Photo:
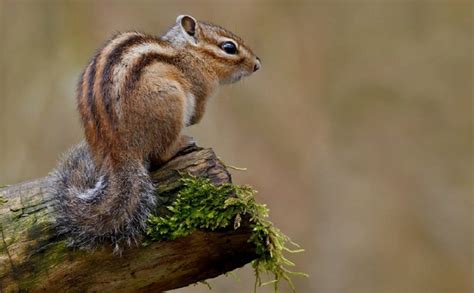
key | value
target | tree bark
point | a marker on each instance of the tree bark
(34, 258)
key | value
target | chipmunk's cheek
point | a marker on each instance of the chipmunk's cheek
(230, 77)
(235, 77)
(248, 70)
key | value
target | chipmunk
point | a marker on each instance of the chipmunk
(134, 98)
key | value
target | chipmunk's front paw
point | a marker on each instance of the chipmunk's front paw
(187, 145)
(187, 141)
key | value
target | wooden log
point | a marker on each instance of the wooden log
(34, 258)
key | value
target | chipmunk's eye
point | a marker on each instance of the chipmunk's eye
(229, 48)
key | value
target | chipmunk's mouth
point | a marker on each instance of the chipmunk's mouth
(243, 74)
(237, 76)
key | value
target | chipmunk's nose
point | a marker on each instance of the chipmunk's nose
(257, 65)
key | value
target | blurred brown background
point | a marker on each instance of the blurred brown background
(357, 131)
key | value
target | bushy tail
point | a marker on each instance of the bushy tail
(96, 205)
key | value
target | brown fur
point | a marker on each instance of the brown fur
(134, 98)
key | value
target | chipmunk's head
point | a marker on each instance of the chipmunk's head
(229, 57)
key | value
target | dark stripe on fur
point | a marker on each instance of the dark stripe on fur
(90, 93)
(80, 92)
(199, 87)
(223, 59)
(113, 59)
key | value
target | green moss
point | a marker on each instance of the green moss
(36, 268)
(202, 205)
(2, 200)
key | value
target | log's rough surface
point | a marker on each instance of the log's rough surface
(34, 258)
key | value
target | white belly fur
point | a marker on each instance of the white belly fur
(189, 108)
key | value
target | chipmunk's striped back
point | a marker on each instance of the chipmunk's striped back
(134, 98)
(103, 84)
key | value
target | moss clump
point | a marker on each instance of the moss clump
(2, 200)
(202, 205)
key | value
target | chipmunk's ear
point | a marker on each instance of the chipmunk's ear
(188, 25)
